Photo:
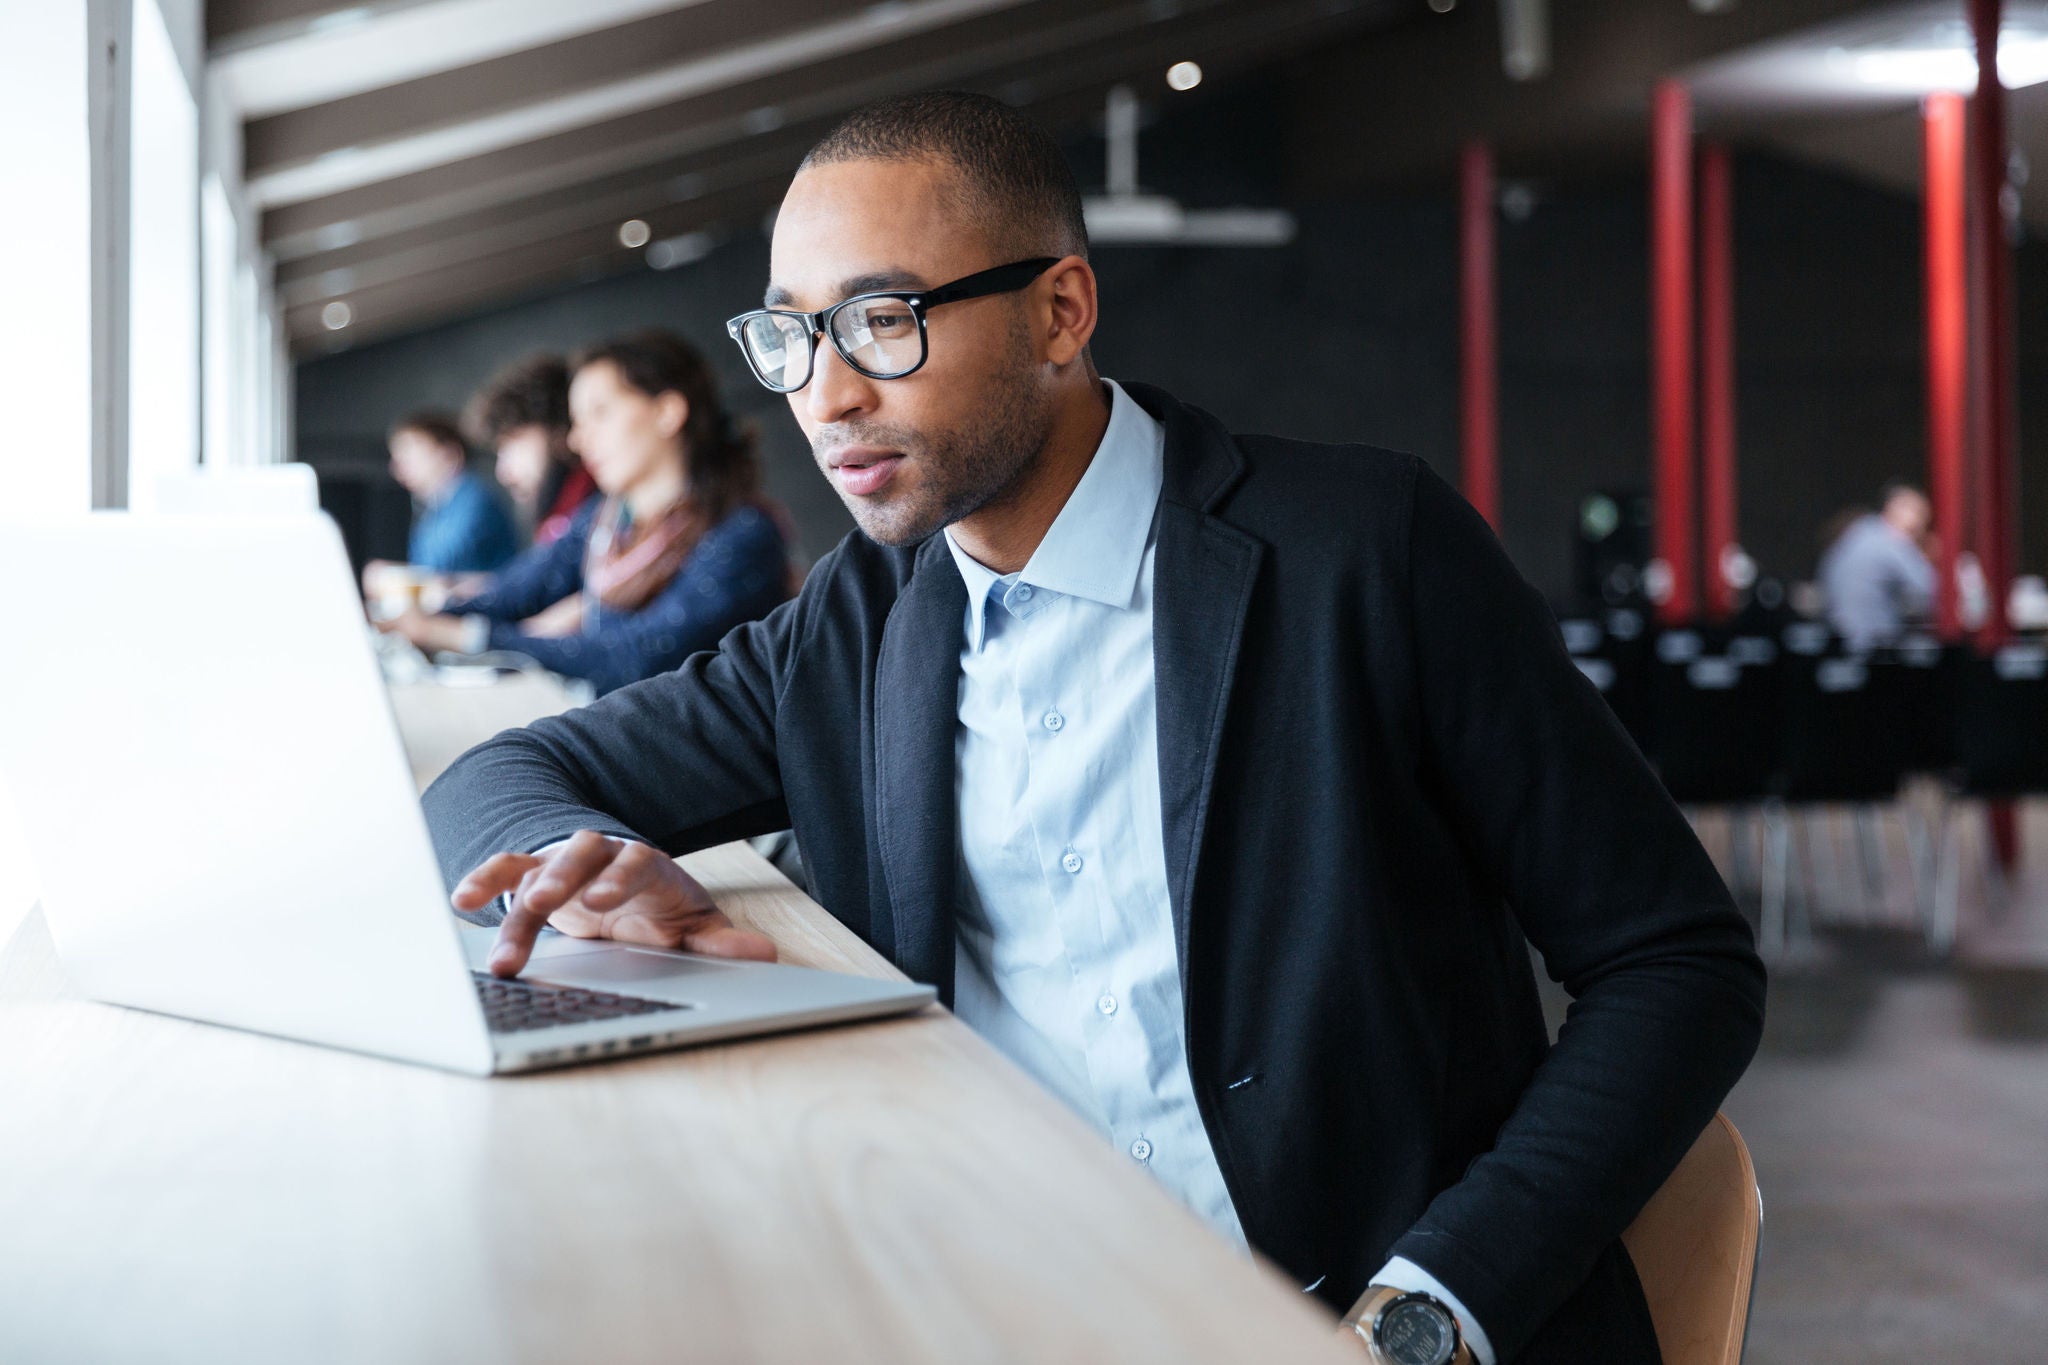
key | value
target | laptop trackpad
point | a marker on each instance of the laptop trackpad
(620, 966)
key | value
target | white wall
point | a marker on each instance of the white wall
(46, 239)
(163, 263)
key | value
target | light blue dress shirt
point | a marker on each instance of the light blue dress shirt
(1064, 957)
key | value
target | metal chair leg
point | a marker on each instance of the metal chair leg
(1777, 857)
(1741, 872)
(1948, 877)
(1871, 854)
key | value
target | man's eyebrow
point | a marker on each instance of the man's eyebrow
(780, 297)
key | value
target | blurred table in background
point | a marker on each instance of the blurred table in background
(448, 711)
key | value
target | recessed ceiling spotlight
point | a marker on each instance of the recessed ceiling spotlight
(634, 233)
(1184, 75)
(1443, 6)
(336, 316)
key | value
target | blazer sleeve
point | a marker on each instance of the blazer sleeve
(682, 761)
(1608, 882)
(536, 580)
(736, 571)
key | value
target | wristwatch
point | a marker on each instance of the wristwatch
(1408, 1327)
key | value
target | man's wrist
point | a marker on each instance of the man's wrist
(1364, 1322)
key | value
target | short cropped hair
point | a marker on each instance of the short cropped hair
(1015, 185)
(437, 426)
(532, 392)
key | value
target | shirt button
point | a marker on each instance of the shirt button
(1054, 720)
(1071, 862)
(1141, 1150)
(1023, 593)
(1106, 1003)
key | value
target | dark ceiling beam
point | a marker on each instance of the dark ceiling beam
(482, 278)
(461, 286)
(684, 139)
(571, 232)
(586, 61)
(608, 201)
(715, 118)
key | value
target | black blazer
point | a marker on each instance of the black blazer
(1380, 773)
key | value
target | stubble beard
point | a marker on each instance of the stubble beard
(960, 471)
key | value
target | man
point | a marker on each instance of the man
(1215, 779)
(523, 415)
(457, 526)
(1876, 576)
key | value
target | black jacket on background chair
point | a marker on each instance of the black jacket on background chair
(1380, 771)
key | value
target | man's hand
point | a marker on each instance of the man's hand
(597, 887)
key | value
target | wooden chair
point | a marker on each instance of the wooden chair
(1695, 1248)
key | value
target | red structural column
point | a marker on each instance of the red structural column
(1717, 375)
(1996, 419)
(1948, 359)
(1479, 366)
(1671, 362)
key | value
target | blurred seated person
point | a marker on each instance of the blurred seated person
(1877, 575)
(678, 550)
(523, 415)
(457, 526)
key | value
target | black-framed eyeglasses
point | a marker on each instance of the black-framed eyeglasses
(881, 335)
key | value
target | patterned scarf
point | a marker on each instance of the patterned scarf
(628, 563)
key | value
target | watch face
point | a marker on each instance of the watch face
(1415, 1332)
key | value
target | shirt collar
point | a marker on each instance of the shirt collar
(1095, 547)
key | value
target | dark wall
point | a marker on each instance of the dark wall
(1351, 335)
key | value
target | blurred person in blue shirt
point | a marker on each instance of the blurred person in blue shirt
(1878, 574)
(679, 548)
(458, 526)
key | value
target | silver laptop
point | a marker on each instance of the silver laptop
(195, 729)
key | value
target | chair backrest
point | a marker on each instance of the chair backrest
(1694, 1246)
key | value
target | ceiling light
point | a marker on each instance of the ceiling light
(336, 316)
(2022, 60)
(1184, 75)
(670, 252)
(1443, 6)
(634, 233)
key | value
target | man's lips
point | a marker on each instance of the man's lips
(863, 470)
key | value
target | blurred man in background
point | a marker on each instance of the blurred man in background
(457, 527)
(523, 415)
(1877, 574)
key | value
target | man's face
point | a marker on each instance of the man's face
(524, 454)
(911, 455)
(422, 463)
(1910, 512)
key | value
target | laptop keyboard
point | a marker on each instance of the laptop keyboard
(517, 1006)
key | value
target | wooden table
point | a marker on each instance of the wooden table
(893, 1191)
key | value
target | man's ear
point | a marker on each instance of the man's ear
(1070, 320)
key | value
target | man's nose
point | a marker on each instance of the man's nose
(837, 391)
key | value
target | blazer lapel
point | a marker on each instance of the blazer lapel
(917, 700)
(1203, 574)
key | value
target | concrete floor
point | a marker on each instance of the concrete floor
(1898, 1118)
(1897, 1114)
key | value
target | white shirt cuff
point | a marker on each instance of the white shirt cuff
(1402, 1273)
